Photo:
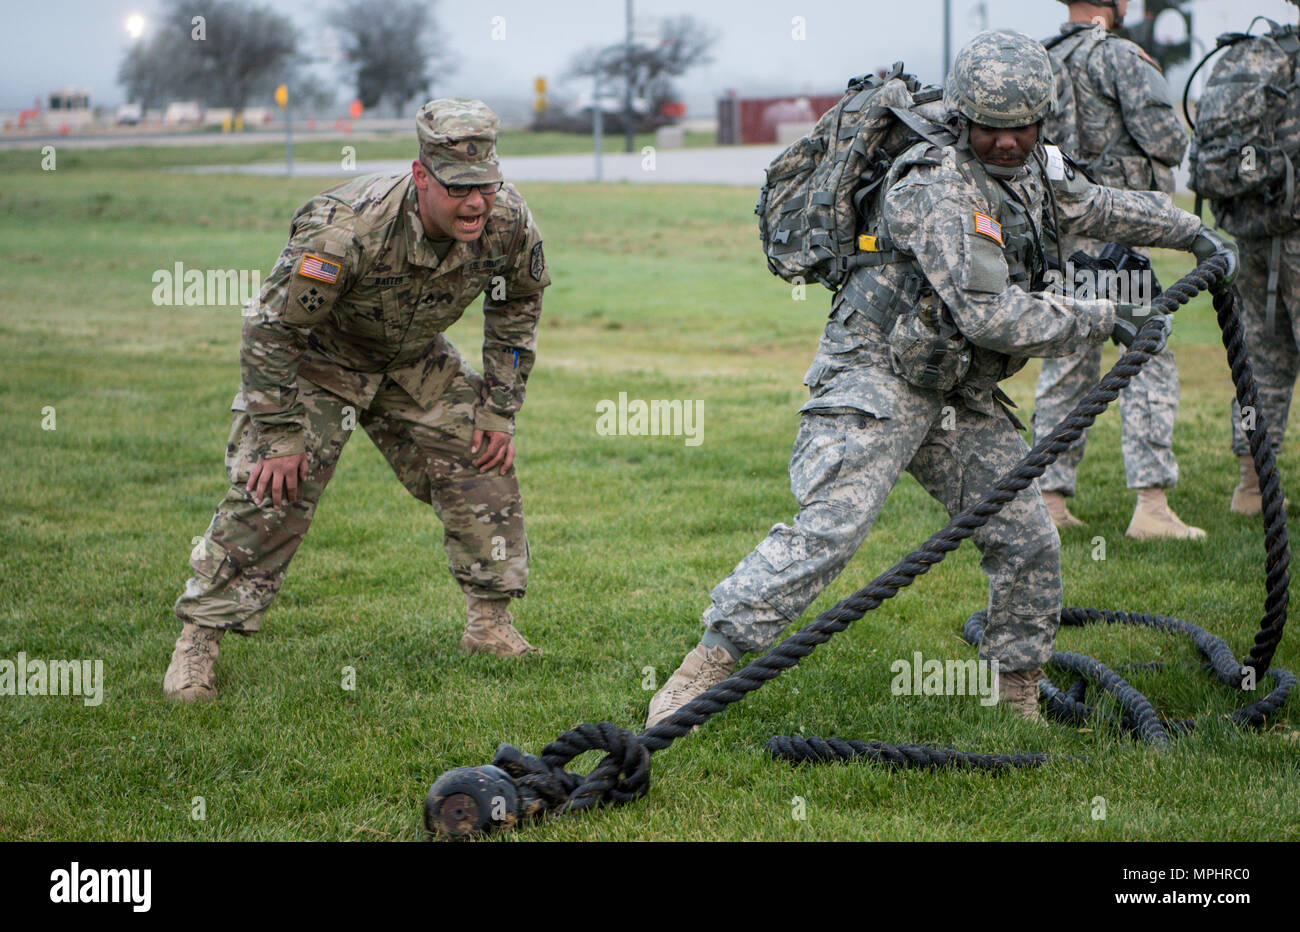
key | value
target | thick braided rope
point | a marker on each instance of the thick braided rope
(900, 756)
(1138, 715)
(1277, 550)
(902, 574)
(623, 774)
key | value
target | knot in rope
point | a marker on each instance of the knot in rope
(621, 776)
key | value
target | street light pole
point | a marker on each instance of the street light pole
(947, 38)
(598, 121)
(627, 90)
(598, 110)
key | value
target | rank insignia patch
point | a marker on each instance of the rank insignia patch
(989, 227)
(536, 264)
(320, 269)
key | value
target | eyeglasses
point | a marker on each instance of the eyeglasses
(462, 190)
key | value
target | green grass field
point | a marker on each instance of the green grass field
(660, 293)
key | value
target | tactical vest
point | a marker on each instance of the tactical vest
(1111, 156)
(926, 348)
(1066, 126)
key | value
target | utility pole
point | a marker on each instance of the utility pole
(947, 38)
(627, 90)
(597, 107)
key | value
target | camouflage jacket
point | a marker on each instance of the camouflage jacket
(980, 270)
(1117, 118)
(359, 294)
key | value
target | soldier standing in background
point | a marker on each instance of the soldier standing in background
(962, 221)
(1115, 116)
(347, 331)
(1244, 160)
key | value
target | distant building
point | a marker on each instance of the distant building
(182, 111)
(67, 107)
(751, 120)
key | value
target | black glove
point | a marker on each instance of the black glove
(1130, 318)
(1209, 243)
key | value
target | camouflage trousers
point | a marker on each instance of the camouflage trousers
(844, 465)
(1147, 409)
(1274, 356)
(240, 563)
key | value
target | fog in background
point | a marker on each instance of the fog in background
(80, 43)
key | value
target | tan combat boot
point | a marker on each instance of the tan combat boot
(1153, 519)
(491, 629)
(702, 669)
(191, 676)
(1019, 690)
(1247, 499)
(1060, 514)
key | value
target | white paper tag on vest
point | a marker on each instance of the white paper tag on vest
(1055, 164)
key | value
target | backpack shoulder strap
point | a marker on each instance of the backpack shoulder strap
(1086, 38)
(1286, 37)
(932, 133)
(1060, 37)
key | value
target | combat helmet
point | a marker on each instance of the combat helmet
(1001, 78)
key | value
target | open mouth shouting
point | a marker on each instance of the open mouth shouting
(469, 225)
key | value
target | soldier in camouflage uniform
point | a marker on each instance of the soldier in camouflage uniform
(1114, 115)
(961, 226)
(1267, 227)
(348, 331)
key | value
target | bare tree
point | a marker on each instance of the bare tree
(684, 43)
(147, 72)
(392, 49)
(222, 52)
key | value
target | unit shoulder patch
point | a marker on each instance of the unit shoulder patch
(537, 263)
(1151, 61)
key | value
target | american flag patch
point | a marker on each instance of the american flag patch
(320, 269)
(989, 227)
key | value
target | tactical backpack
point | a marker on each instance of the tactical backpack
(1246, 137)
(822, 191)
(1065, 118)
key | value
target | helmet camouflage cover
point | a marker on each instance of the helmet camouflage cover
(1001, 78)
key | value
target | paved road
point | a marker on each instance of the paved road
(730, 165)
(126, 136)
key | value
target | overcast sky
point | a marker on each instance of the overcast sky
(80, 42)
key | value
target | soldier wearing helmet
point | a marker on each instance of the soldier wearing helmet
(906, 374)
(1114, 115)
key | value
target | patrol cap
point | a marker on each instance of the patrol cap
(458, 140)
